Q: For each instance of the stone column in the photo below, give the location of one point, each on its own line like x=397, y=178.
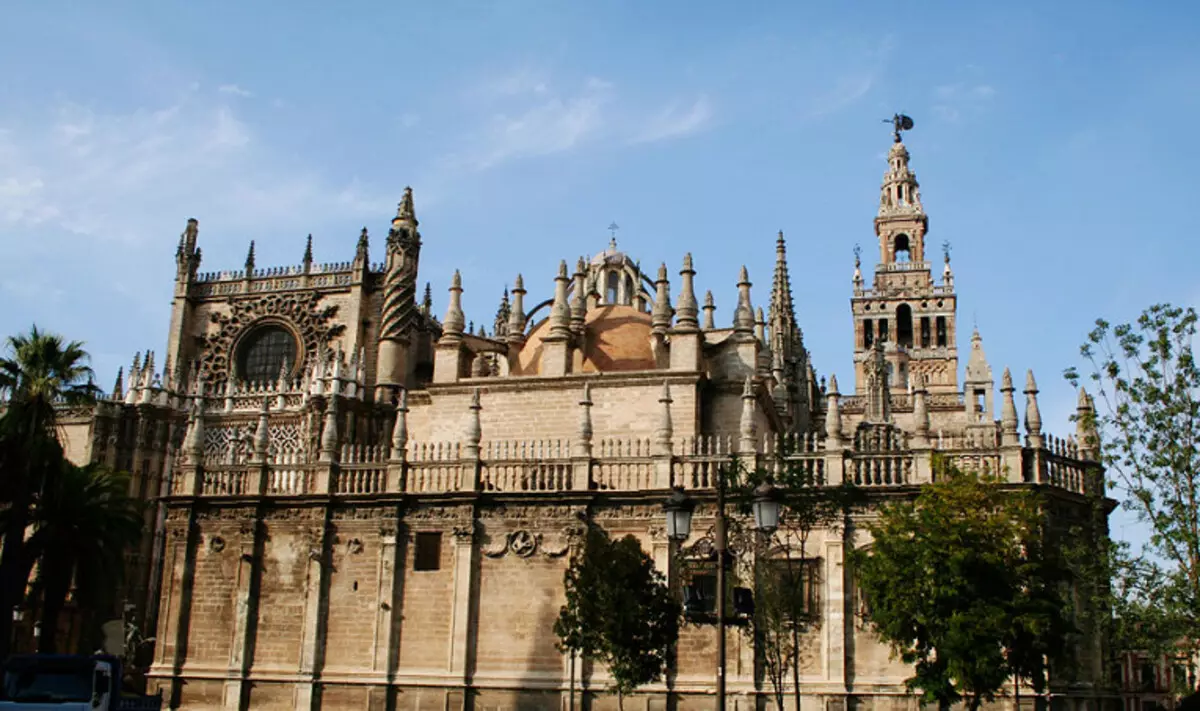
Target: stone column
x=460, y=622
x=581, y=454
x=387, y=582
x=663, y=440
x=245, y=611
x=835, y=454
x=398, y=456
x=311, y=636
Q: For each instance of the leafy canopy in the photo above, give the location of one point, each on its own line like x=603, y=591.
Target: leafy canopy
x=957, y=582
x=618, y=610
x=1148, y=420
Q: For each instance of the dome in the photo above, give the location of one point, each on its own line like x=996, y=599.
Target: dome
x=617, y=339
x=611, y=256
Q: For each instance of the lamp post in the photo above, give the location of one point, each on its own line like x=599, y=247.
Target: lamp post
x=679, y=508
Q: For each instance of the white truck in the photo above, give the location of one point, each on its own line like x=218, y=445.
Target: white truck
x=68, y=682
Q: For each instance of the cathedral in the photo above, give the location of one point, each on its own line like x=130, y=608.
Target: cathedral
x=362, y=504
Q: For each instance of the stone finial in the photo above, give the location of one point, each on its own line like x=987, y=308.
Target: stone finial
x=743, y=315
x=560, y=318
x=920, y=412
x=583, y=438
x=194, y=438
x=747, y=429
x=687, y=312
x=1009, y=436
x=427, y=300
x=308, y=254
x=709, y=308
x=400, y=428
x=250, y=259
x=760, y=325
x=660, y=317
x=1085, y=427
x=405, y=212
x=516, y=317
x=362, y=250
x=579, y=297
x=858, y=277
x=833, y=415
x=119, y=386
x=1033, y=415
x=664, y=431
x=455, y=321
x=329, y=432
x=262, y=439
x=474, y=432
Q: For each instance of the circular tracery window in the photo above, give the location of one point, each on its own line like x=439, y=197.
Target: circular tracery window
x=265, y=352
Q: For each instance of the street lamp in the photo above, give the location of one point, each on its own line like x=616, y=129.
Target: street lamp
x=678, y=509
x=768, y=500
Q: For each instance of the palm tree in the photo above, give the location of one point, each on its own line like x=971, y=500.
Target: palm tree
x=41, y=373
x=83, y=525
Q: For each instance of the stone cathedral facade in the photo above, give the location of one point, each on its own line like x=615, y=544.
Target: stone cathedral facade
x=366, y=506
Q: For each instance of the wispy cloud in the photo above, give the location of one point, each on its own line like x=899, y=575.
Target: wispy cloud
x=235, y=90
x=122, y=176
x=541, y=122
x=952, y=100
x=674, y=121
x=845, y=92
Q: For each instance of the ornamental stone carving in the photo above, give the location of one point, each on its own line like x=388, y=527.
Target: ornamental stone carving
x=301, y=312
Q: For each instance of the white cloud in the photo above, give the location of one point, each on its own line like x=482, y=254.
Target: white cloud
x=845, y=92
x=672, y=122
x=235, y=90
x=552, y=123
x=123, y=177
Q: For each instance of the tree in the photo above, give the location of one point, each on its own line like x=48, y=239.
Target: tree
x=958, y=584
x=41, y=373
x=83, y=525
x=784, y=611
x=618, y=611
x=1148, y=423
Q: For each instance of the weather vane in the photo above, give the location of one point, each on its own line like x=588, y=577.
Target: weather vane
x=946, y=250
x=899, y=122
x=612, y=229
x=857, y=254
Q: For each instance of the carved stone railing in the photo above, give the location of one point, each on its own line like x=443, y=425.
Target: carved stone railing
x=873, y=458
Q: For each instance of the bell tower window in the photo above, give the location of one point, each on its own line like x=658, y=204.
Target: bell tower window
x=904, y=330
x=941, y=331
x=883, y=330
x=901, y=252
x=263, y=353
x=924, y=331
x=868, y=334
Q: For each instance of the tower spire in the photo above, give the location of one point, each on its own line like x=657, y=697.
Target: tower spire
x=785, y=334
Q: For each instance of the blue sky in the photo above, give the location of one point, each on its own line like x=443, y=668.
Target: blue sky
x=1054, y=145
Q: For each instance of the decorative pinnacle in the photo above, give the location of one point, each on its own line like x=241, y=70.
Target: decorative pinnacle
x=1006, y=382
x=427, y=301
x=744, y=277
x=562, y=269
x=363, y=239
x=250, y=258
x=308, y=256
x=405, y=210
x=662, y=272
x=1030, y=383
x=519, y=285
x=833, y=388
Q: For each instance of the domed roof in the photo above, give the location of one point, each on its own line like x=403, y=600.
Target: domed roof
x=617, y=339
x=611, y=255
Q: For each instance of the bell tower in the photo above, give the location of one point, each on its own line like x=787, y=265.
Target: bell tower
x=905, y=311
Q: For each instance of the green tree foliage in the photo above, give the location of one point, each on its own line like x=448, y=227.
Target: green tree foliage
x=82, y=527
x=1147, y=420
x=40, y=373
x=618, y=611
x=784, y=611
x=958, y=582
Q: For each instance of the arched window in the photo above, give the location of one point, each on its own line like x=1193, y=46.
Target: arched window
x=629, y=291
x=868, y=337
x=610, y=288
x=924, y=331
x=941, y=331
x=904, y=326
x=901, y=251
x=883, y=330
x=263, y=353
